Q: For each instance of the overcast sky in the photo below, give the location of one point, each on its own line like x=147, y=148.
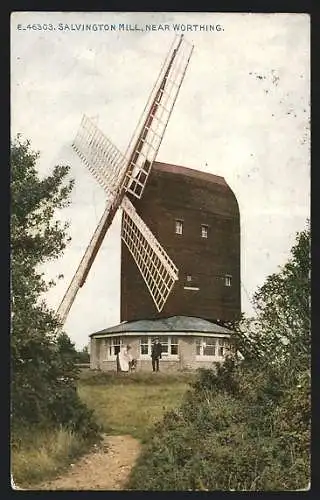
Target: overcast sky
x=242, y=113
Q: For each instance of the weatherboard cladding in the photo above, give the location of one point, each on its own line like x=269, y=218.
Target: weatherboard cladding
x=174, y=324
x=196, y=198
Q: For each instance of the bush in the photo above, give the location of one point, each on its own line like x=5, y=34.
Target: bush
x=221, y=378
x=67, y=409
x=222, y=440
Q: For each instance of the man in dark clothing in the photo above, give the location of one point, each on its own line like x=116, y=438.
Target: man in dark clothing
x=156, y=355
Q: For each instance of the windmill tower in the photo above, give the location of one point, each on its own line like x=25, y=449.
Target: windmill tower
x=196, y=217
x=124, y=178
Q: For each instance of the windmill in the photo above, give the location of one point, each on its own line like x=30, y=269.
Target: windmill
x=124, y=175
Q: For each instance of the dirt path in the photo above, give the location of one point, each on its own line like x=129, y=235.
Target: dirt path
x=107, y=468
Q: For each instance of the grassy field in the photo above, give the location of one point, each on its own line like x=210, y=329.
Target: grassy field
x=131, y=404
x=123, y=404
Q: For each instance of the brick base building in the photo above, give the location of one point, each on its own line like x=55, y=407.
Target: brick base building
x=188, y=343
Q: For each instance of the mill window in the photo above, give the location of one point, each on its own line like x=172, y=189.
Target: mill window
x=179, y=226
x=204, y=231
x=227, y=280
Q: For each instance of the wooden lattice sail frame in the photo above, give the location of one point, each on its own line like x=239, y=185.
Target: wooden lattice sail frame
x=119, y=174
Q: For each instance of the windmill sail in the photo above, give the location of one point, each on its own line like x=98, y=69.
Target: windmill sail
x=107, y=165
x=119, y=174
x=150, y=130
x=104, y=160
x=85, y=265
x=156, y=267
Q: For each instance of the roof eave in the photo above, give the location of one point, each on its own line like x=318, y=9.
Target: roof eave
x=161, y=333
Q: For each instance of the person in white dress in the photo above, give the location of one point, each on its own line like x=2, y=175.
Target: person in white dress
x=124, y=358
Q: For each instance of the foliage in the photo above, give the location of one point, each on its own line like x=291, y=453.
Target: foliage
x=83, y=355
x=245, y=425
x=280, y=332
x=43, y=374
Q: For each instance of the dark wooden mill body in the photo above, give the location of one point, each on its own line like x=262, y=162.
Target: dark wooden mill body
x=195, y=198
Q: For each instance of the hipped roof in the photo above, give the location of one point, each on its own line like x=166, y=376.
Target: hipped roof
x=172, y=324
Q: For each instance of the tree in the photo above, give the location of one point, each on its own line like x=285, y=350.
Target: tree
x=281, y=331
x=83, y=355
x=42, y=357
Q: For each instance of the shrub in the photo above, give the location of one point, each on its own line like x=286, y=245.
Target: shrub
x=218, y=441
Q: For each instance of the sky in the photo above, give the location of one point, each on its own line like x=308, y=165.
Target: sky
x=242, y=112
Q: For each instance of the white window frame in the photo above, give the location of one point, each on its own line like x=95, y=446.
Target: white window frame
x=110, y=344
x=228, y=280
x=189, y=278
x=220, y=343
x=179, y=226
x=204, y=230
x=164, y=355
x=145, y=343
x=202, y=342
x=222, y=347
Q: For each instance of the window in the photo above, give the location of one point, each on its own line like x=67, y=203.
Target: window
x=206, y=346
x=223, y=347
x=113, y=345
x=165, y=345
x=227, y=280
x=169, y=346
x=144, y=345
x=173, y=346
x=204, y=231
x=179, y=226
x=211, y=346
x=190, y=285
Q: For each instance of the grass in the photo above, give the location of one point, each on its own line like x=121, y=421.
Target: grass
x=38, y=455
x=123, y=404
x=131, y=404
x=92, y=377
